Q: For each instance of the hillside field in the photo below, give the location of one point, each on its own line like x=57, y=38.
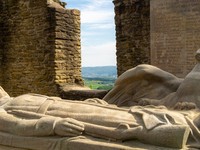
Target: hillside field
x=99, y=78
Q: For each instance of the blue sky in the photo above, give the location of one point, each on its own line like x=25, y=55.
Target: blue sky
x=97, y=31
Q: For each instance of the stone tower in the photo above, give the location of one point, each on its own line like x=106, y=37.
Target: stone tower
x=39, y=47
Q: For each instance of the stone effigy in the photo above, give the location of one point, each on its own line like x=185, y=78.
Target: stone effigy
x=147, y=84
x=143, y=81
x=59, y=124
x=35, y=116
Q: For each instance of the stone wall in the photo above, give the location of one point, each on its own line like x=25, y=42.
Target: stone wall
x=34, y=58
x=132, y=19
x=175, y=34
x=67, y=48
x=1, y=42
x=162, y=33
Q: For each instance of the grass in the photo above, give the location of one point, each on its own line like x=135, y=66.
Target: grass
x=99, y=83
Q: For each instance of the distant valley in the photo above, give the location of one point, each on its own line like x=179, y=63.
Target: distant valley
x=103, y=71
x=100, y=78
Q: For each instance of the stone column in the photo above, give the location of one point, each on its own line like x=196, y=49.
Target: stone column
x=132, y=19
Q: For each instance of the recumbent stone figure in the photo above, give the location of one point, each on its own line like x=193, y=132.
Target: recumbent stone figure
x=33, y=115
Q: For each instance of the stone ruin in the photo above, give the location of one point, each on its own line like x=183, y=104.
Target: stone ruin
x=40, y=53
x=164, y=114
x=40, y=41
x=132, y=19
x=158, y=32
x=40, y=48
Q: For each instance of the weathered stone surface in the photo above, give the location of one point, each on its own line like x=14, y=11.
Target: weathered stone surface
x=143, y=81
x=81, y=93
x=174, y=34
x=86, y=143
x=47, y=123
x=67, y=47
x=50, y=121
x=132, y=19
x=146, y=85
x=63, y=4
x=39, y=46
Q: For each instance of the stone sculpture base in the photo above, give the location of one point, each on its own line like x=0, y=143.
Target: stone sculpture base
x=74, y=143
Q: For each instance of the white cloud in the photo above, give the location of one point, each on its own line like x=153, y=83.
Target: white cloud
x=96, y=16
x=96, y=11
x=97, y=28
x=93, y=4
x=99, y=55
x=102, y=26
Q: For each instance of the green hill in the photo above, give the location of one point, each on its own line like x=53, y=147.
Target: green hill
x=101, y=78
x=103, y=71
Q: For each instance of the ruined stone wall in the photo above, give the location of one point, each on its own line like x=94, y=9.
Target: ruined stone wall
x=132, y=19
x=1, y=42
x=3, y=24
x=29, y=47
x=67, y=48
x=27, y=50
x=175, y=34
x=171, y=26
